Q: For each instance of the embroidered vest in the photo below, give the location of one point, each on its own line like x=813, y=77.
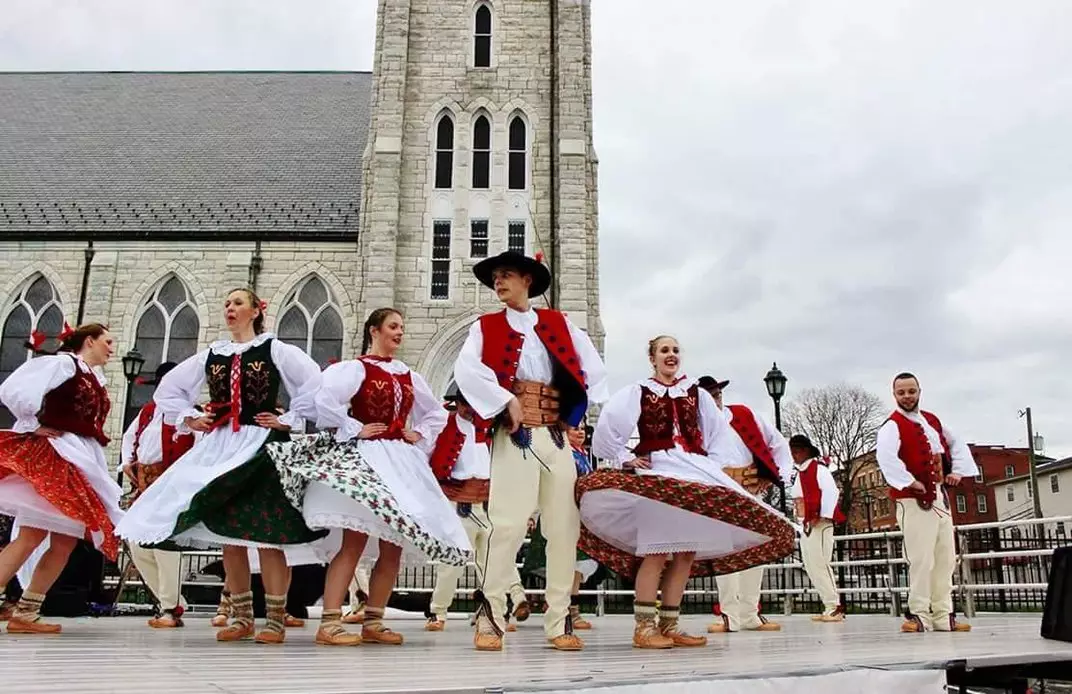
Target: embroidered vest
x=448, y=447
x=383, y=398
x=502, y=354
x=666, y=421
x=79, y=405
x=813, y=495
x=746, y=426
x=915, y=453
x=258, y=383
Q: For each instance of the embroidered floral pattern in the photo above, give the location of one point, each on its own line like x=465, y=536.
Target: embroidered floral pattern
x=341, y=467
x=57, y=481
x=710, y=501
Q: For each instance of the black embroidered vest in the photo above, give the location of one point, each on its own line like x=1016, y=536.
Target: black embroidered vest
x=260, y=382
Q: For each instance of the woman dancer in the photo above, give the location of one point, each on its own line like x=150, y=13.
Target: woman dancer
x=225, y=490
x=372, y=477
x=54, y=478
x=679, y=506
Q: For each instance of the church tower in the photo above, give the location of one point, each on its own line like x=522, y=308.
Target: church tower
x=480, y=139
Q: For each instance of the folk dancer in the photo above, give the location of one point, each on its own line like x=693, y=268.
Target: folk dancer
x=585, y=567
x=533, y=372
x=371, y=478
x=815, y=498
x=760, y=460
x=148, y=449
x=54, y=477
x=669, y=502
x=225, y=492
x=919, y=458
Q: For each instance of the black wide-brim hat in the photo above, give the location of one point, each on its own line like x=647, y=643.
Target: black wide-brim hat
x=803, y=443
x=709, y=382
x=541, y=276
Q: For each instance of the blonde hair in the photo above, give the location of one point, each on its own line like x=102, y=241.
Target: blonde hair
x=653, y=342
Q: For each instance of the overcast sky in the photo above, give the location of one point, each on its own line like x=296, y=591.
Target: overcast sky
x=849, y=188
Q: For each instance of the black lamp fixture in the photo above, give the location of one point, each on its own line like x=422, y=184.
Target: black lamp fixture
x=132, y=363
x=776, y=381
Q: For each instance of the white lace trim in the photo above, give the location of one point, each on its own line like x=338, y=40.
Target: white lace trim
x=227, y=348
x=411, y=554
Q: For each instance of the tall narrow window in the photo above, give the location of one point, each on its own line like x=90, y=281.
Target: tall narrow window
x=980, y=502
x=35, y=307
x=1055, y=484
x=515, y=237
x=441, y=259
x=444, y=153
x=311, y=321
x=166, y=331
x=518, y=165
x=962, y=504
x=478, y=238
x=482, y=37
x=481, y=153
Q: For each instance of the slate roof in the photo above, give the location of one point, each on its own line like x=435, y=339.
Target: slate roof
x=240, y=155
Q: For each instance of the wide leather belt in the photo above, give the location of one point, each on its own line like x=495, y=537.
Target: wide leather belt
x=748, y=477
x=539, y=403
x=470, y=491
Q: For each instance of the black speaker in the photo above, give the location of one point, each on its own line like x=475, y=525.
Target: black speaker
x=80, y=583
x=1057, y=617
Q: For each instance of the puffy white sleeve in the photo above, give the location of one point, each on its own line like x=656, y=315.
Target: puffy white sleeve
x=796, y=491
x=595, y=372
x=617, y=422
x=25, y=389
x=779, y=449
x=717, y=435
x=178, y=391
x=428, y=417
x=340, y=382
x=828, y=487
x=476, y=380
x=887, y=449
x=301, y=377
x=963, y=462
x=126, y=449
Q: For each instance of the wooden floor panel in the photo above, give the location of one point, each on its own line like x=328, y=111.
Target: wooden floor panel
x=123, y=656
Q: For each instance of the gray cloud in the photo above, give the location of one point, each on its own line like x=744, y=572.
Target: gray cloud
x=848, y=188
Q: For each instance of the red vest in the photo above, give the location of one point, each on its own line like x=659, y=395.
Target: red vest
x=746, y=426
x=375, y=403
x=658, y=417
x=813, y=495
x=915, y=453
x=448, y=447
x=173, y=447
x=79, y=405
x=145, y=417
x=502, y=354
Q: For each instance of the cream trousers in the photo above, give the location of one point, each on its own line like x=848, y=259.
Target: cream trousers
x=161, y=572
x=816, y=549
x=930, y=550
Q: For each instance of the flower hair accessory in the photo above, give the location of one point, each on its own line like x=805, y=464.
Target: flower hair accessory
x=263, y=305
x=37, y=339
x=66, y=332
x=539, y=256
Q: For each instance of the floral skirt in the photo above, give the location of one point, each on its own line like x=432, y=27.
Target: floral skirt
x=384, y=489
x=625, y=516
x=43, y=490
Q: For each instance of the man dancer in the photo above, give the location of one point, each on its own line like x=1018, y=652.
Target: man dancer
x=761, y=460
x=149, y=447
x=815, y=496
x=534, y=372
x=919, y=458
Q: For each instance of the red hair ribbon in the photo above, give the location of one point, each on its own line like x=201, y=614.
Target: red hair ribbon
x=263, y=305
x=539, y=256
x=37, y=339
x=66, y=332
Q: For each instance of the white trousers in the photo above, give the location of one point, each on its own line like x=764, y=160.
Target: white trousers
x=930, y=550
x=816, y=549
x=738, y=598
x=477, y=525
x=161, y=572
x=523, y=481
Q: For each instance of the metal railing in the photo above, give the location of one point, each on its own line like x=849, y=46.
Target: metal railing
x=1002, y=567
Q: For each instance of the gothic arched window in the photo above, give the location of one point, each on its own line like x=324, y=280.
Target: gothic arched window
x=34, y=307
x=310, y=320
x=444, y=152
x=518, y=157
x=482, y=36
x=167, y=330
x=481, y=153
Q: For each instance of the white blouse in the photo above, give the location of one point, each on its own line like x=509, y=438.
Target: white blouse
x=888, y=446
x=827, y=487
x=180, y=389
x=618, y=421
x=23, y=392
x=779, y=447
x=150, y=447
x=481, y=388
x=474, y=461
x=344, y=379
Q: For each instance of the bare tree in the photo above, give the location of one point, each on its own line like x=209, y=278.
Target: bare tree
x=842, y=421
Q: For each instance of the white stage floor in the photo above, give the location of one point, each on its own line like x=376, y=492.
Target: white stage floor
x=121, y=655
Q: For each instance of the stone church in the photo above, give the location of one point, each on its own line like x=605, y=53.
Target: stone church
x=140, y=199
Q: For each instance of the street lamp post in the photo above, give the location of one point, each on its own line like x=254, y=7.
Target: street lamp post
x=133, y=361
x=1026, y=414
x=775, y=381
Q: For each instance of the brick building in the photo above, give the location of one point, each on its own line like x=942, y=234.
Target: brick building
x=140, y=199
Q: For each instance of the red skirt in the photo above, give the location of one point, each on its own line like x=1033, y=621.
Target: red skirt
x=59, y=483
x=762, y=535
